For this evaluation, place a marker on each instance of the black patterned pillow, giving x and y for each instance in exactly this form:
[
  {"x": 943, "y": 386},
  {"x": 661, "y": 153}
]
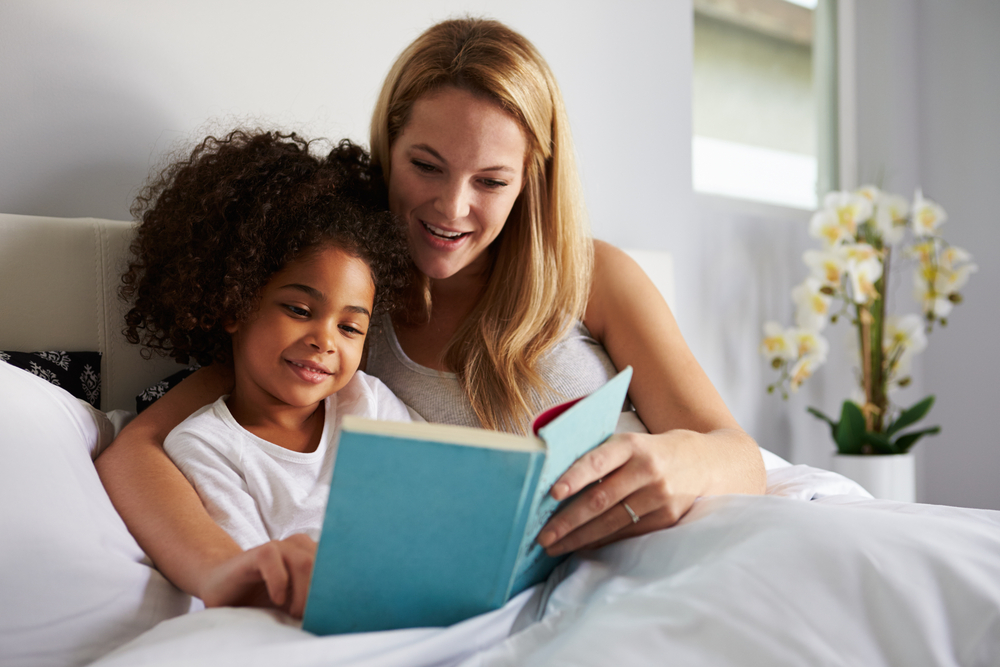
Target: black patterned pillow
[
  {"x": 79, "y": 373},
  {"x": 149, "y": 396}
]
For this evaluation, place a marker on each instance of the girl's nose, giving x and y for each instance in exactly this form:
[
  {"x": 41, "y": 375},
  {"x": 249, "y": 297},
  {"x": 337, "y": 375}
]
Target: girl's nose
[
  {"x": 453, "y": 201},
  {"x": 323, "y": 338}
]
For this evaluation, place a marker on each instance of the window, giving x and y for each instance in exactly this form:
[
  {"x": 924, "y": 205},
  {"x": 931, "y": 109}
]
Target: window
[{"x": 756, "y": 114}]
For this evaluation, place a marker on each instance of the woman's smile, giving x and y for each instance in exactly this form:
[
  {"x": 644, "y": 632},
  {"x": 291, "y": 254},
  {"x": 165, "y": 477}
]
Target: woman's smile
[{"x": 443, "y": 233}]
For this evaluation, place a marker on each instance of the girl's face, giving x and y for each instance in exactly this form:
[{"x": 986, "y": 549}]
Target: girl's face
[
  {"x": 456, "y": 170},
  {"x": 305, "y": 341}
]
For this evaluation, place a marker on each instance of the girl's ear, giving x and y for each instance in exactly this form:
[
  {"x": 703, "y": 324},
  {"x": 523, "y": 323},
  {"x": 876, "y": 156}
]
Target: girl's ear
[{"x": 230, "y": 327}]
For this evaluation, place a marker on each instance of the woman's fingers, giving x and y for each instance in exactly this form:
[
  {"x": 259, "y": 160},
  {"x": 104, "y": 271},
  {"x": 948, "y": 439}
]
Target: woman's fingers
[
  {"x": 596, "y": 464},
  {"x": 636, "y": 469},
  {"x": 617, "y": 523},
  {"x": 594, "y": 509}
]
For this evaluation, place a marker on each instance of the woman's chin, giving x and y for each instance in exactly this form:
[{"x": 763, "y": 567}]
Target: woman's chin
[{"x": 437, "y": 267}]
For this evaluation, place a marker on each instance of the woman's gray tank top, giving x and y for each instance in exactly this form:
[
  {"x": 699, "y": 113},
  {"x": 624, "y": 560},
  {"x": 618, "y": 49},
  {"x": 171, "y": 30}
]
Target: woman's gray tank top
[{"x": 576, "y": 366}]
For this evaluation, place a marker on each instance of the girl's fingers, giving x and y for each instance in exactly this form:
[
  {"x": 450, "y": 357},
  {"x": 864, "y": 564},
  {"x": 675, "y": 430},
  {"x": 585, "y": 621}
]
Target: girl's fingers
[
  {"x": 299, "y": 560},
  {"x": 271, "y": 566}
]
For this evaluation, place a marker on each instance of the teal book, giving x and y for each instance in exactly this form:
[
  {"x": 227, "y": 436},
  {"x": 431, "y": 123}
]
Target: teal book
[{"x": 429, "y": 524}]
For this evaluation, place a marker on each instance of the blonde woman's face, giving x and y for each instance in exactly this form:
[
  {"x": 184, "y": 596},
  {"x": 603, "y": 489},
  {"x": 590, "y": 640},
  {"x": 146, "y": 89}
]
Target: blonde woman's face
[{"x": 456, "y": 170}]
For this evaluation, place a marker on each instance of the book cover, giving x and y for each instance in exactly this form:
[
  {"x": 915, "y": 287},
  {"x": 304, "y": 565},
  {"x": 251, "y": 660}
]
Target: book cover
[{"x": 429, "y": 524}]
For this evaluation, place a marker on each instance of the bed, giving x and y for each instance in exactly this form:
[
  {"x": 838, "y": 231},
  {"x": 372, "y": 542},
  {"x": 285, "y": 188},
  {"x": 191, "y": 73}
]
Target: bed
[{"x": 816, "y": 572}]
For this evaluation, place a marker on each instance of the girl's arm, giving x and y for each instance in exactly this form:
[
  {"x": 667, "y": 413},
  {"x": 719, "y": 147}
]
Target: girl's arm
[
  {"x": 159, "y": 506},
  {"x": 694, "y": 446}
]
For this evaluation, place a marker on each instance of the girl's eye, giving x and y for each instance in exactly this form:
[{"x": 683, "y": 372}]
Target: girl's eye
[
  {"x": 351, "y": 331},
  {"x": 296, "y": 310}
]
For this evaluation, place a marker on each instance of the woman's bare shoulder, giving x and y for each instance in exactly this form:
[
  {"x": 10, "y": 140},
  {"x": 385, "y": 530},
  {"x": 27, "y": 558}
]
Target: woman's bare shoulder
[{"x": 619, "y": 288}]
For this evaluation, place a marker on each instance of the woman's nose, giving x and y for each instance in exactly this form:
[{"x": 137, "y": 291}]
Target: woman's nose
[{"x": 453, "y": 201}]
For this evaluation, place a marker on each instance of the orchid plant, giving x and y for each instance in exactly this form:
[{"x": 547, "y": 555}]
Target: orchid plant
[{"x": 861, "y": 232}]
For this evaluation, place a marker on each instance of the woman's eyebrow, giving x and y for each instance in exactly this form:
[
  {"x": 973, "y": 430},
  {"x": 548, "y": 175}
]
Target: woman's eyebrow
[{"x": 427, "y": 149}]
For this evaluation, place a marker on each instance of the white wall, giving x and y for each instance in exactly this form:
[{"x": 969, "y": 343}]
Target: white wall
[
  {"x": 959, "y": 107},
  {"x": 92, "y": 94}
]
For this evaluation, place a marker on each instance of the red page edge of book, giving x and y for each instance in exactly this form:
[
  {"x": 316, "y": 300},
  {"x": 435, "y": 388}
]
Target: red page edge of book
[{"x": 553, "y": 412}]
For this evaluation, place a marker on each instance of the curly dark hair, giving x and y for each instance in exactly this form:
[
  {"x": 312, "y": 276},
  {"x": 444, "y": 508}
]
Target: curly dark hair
[{"x": 216, "y": 225}]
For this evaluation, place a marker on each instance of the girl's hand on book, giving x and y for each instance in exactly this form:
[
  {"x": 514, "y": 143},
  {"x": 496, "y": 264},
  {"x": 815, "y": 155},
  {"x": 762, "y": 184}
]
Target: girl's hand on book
[
  {"x": 658, "y": 476},
  {"x": 275, "y": 574}
]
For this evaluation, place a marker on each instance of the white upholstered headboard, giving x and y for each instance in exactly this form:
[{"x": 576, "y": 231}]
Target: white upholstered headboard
[
  {"x": 58, "y": 283},
  {"x": 58, "y": 291}
]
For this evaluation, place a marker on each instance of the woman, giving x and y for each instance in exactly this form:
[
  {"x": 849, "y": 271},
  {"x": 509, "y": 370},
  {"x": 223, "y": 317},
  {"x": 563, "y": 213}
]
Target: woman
[{"x": 515, "y": 307}]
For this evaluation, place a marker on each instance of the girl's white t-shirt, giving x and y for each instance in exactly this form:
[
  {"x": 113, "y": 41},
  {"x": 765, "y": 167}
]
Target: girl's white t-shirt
[{"x": 259, "y": 491}]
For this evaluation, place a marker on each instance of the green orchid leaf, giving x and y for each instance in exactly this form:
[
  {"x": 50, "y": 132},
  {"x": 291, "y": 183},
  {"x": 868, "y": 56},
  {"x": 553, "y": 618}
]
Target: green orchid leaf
[
  {"x": 904, "y": 442},
  {"x": 850, "y": 432},
  {"x": 910, "y": 416},
  {"x": 819, "y": 415},
  {"x": 879, "y": 443}
]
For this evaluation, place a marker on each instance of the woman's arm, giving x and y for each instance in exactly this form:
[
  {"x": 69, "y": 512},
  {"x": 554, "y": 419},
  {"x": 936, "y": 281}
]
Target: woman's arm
[
  {"x": 159, "y": 506},
  {"x": 695, "y": 447}
]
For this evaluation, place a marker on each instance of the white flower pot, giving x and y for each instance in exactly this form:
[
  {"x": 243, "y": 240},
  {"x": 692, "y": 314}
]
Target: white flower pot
[{"x": 889, "y": 477}]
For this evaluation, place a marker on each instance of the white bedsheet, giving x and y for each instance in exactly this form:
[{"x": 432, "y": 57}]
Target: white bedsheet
[{"x": 841, "y": 579}]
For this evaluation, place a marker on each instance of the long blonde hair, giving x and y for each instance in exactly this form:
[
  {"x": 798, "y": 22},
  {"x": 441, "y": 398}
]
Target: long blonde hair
[{"x": 543, "y": 259}]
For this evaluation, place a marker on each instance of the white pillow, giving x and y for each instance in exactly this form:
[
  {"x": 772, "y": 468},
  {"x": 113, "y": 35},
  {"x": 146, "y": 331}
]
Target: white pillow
[{"x": 74, "y": 583}]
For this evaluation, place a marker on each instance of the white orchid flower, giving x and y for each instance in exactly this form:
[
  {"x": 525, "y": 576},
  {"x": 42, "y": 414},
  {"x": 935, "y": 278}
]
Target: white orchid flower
[
  {"x": 949, "y": 281},
  {"x": 904, "y": 333},
  {"x": 953, "y": 256},
  {"x": 810, "y": 343},
  {"x": 933, "y": 302},
  {"x": 851, "y": 209},
  {"x": 903, "y": 338},
  {"x": 925, "y": 252},
  {"x": 869, "y": 192},
  {"x": 812, "y": 307},
  {"x": 891, "y": 212},
  {"x": 927, "y": 216},
  {"x": 801, "y": 371},
  {"x": 825, "y": 225},
  {"x": 827, "y": 266},
  {"x": 864, "y": 268},
  {"x": 941, "y": 272},
  {"x": 777, "y": 343}
]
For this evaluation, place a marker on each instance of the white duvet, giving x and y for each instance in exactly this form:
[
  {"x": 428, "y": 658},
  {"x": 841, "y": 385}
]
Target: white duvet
[
  {"x": 773, "y": 580},
  {"x": 814, "y": 573}
]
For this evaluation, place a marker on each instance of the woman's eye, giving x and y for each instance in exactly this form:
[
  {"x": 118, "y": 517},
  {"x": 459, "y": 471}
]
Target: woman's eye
[
  {"x": 423, "y": 166},
  {"x": 493, "y": 183}
]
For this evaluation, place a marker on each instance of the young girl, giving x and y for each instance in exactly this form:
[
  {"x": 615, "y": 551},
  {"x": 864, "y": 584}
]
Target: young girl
[{"x": 255, "y": 253}]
